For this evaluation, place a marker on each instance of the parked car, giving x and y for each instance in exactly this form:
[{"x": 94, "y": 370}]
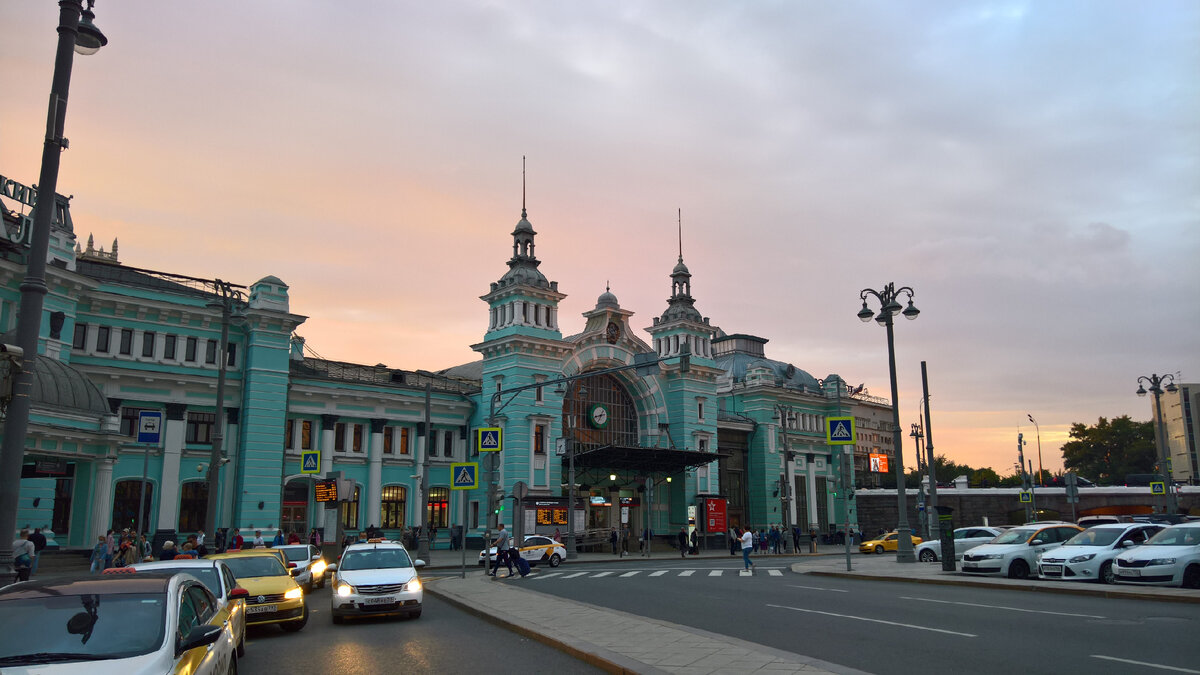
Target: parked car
[
  {"x": 1169, "y": 558},
  {"x": 126, "y": 622},
  {"x": 965, "y": 539},
  {"x": 219, "y": 580},
  {"x": 1088, "y": 556},
  {"x": 535, "y": 549},
  {"x": 886, "y": 542},
  {"x": 274, "y": 596},
  {"x": 376, "y": 578},
  {"x": 1014, "y": 553}
]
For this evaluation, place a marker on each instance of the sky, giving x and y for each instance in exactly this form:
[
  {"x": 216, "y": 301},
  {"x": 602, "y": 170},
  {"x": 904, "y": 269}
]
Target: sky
[{"x": 1030, "y": 169}]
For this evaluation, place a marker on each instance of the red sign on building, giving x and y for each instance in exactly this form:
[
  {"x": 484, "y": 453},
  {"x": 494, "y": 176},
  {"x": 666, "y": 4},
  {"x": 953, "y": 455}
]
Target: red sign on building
[{"x": 714, "y": 515}]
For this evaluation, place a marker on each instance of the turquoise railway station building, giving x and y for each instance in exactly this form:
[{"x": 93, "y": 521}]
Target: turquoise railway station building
[{"x": 666, "y": 424}]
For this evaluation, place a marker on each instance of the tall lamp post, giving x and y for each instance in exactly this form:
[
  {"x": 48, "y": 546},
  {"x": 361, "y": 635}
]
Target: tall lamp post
[
  {"x": 1164, "y": 459},
  {"x": 917, "y": 435},
  {"x": 1038, "y": 430},
  {"x": 74, "y": 35},
  {"x": 889, "y": 307},
  {"x": 787, "y": 419},
  {"x": 227, "y": 301}
]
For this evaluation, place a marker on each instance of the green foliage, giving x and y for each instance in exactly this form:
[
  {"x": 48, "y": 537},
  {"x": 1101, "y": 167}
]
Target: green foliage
[{"x": 1106, "y": 452}]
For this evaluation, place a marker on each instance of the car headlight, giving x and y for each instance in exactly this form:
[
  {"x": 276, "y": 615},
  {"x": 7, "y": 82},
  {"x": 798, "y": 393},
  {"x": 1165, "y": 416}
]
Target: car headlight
[
  {"x": 1082, "y": 558},
  {"x": 318, "y": 568},
  {"x": 1161, "y": 561},
  {"x": 414, "y": 585},
  {"x": 293, "y": 594},
  {"x": 344, "y": 590},
  {"x": 990, "y": 556}
]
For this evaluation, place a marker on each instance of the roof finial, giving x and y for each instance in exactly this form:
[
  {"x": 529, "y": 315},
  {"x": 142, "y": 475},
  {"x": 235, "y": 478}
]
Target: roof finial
[
  {"x": 680, "y": 235},
  {"x": 607, "y": 287},
  {"x": 523, "y": 213}
]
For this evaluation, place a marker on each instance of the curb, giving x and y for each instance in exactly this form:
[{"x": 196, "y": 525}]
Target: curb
[{"x": 1123, "y": 595}]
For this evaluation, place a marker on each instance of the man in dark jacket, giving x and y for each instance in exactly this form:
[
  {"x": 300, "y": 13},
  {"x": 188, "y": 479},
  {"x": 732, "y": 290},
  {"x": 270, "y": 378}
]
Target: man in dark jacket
[
  {"x": 39, "y": 542},
  {"x": 683, "y": 542}
]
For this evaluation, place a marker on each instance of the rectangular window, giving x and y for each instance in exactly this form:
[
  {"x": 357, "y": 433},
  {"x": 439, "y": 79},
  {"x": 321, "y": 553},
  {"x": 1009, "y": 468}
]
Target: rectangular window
[
  {"x": 474, "y": 515},
  {"x": 431, "y": 447},
  {"x": 703, "y": 445},
  {"x": 169, "y": 347},
  {"x": 539, "y": 439},
  {"x": 350, "y": 512},
  {"x": 357, "y": 438},
  {"x": 339, "y": 437},
  {"x": 447, "y": 444},
  {"x": 102, "y": 339},
  {"x": 700, "y": 409},
  {"x": 80, "y": 341},
  {"x": 200, "y": 427},
  {"x": 129, "y": 421},
  {"x": 210, "y": 352},
  {"x": 231, "y": 360},
  {"x": 537, "y": 395},
  {"x": 126, "y": 345},
  {"x": 404, "y": 440},
  {"x": 189, "y": 353},
  {"x": 387, "y": 440},
  {"x": 306, "y": 435},
  {"x": 289, "y": 428},
  {"x": 148, "y": 344}
]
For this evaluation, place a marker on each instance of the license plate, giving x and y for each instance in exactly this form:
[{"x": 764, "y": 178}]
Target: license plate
[
  {"x": 261, "y": 609},
  {"x": 1128, "y": 573},
  {"x": 383, "y": 600},
  {"x": 1055, "y": 569}
]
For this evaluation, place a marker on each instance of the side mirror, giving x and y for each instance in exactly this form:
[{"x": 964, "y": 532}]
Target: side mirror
[
  {"x": 418, "y": 563},
  {"x": 239, "y": 592},
  {"x": 198, "y": 637},
  {"x": 316, "y": 557},
  {"x": 1128, "y": 543},
  {"x": 331, "y": 568},
  {"x": 1036, "y": 542}
]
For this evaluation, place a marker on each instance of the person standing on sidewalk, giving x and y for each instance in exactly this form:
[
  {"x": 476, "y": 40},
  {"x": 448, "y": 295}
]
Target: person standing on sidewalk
[
  {"x": 612, "y": 539},
  {"x": 683, "y": 542},
  {"x": 39, "y": 544},
  {"x": 747, "y": 547},
  {"x": 501, "y": 544}
]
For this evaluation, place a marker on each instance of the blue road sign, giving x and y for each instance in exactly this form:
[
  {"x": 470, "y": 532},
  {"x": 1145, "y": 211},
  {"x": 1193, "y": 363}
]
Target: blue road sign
[
  {"x": 149, "y": 426},
  {"x": 310, "y": 461},
  {"x": 1158, "y": 488},
  {"x": 839, "y": 430},
  {"x": 491, "y": 439},
  {"x": 464, "y": 476}
]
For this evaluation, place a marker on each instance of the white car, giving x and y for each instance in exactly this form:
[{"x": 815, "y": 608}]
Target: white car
[
  {"x": 1014, "y": 553},
  {"x": 376, "y": 578},
  {"x": 535, "y": 549},
  {"x": 1088, "y": 556},
  {"x": 310, "y": 566},
  {"x": 965, "y": 539},
  {"x": 1169, "y": 558},
  {"x": 216, "y": 577},
  {"x": 126, "y": 623}
]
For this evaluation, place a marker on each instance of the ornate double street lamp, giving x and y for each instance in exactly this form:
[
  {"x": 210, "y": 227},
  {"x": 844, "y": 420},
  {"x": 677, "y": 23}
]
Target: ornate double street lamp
[
  {"x": 1160, "y": 437},
  {"x": 74, "y": 35},
  {"x": 229, "y": 302},
  {"x": 889, "y": 307},
  {"x": 787, "y": 419}
]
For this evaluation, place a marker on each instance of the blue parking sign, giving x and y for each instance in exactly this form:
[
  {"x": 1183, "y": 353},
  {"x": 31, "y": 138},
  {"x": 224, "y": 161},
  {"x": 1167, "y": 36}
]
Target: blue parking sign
[{"x": 149, "y": 426}]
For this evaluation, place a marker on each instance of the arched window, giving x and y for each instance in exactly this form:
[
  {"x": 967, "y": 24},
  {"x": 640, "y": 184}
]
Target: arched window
[
  {"x": 193, "y": 505},
  {"x": 439, "y": 507},
  {"x": 350, "y": 512},
  {"x": 391, "y": 506},
  {"x": 127, "y": 495}
]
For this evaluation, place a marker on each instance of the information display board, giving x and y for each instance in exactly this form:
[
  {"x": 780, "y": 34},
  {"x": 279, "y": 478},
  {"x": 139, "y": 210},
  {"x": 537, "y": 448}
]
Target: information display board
[{"x": 325, "y": 490}]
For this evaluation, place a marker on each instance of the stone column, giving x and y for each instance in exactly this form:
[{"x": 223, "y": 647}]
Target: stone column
[
  {"x": 168, "y": 493},
  {"x": 374, "y": 495},
  {"x": 330, "y": 516},
  {"x": 810, "y": 481},
  {"x": 102, "y": 498}
]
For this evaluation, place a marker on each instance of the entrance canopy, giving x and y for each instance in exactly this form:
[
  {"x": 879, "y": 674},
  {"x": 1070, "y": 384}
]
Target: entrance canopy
[{"x": 642, "y": 459}]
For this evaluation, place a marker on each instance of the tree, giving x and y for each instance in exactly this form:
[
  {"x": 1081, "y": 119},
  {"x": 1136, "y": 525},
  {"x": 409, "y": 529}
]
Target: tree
[{"x": 1107, "y": 452}]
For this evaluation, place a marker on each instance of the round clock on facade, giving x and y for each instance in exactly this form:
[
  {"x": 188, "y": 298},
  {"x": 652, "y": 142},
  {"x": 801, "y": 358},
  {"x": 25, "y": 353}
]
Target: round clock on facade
[
  {"x": 612, "y": 333},
  {"x": 598, "y": 416}
]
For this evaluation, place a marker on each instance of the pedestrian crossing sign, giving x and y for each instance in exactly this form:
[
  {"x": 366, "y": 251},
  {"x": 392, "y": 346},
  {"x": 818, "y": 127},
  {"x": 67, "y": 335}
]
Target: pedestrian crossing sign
[
  {"x": 839, "y": 430},
  {"x": 1026, "y": 496},
  {"x": 464, "y": 475},
  {"x": 491, "y": 439},
  {"x": 1158, "y": 487},
  {"x": 310, "y": 461}
]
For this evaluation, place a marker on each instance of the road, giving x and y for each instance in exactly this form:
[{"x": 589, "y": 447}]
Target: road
[
  {"x": 443, "y": 640},
  {"x": 889, "y": 627}
]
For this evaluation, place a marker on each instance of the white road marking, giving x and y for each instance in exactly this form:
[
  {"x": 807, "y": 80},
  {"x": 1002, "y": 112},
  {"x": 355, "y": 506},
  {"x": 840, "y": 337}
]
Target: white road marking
[
  {"x": 577, "y": 574},
  {"x": 547, "y": 576},
  {"x": 658, "y": 573},
  {"x": 714, "y": 573},
  {"x": 863, "y": 618},
  {"x": 775, "y": 573},
  {"x": 687, "y": 573},
  {"x": 818, "y": 588},
  {"x": 597, "y": 575},
  {"x": 1144, "y": 663},
  {"x": 1011, "y": 609},
  {"x": 630, "y": 574}
]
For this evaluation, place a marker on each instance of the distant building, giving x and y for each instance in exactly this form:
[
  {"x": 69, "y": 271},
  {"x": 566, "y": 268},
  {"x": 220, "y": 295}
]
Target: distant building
[{"x": 1180, "y": 420}]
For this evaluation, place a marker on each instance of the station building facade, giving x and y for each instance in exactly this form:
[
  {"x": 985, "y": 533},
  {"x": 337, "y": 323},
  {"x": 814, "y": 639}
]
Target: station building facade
[{"x": 655, "y": 422}]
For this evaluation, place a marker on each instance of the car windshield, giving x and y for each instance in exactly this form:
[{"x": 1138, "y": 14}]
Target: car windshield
[
  {"x": 65, "y": 628},
  {"x": 294, "y": 554},
  {"x": 206, "y": 575},
  {"x": 246, "y": 566},
  {"x": 374, "y": 559},
  {"x": 1016, "y": 536},
  {"x": 1095, "y": 537},
  {"x": 1176, "y": 536}
]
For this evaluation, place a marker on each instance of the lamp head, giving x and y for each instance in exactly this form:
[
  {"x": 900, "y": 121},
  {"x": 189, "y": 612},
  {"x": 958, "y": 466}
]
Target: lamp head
[
  {"x": 865, "y": 313},
  {"x": 911, "y": 311},
  {"x": 1171, "y": 388},
  {"x": 1141, "y": 391},
  {"x": 88, "y": 38}
]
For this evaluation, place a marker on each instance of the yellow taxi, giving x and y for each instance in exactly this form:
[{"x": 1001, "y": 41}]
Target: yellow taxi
[
  {"x": 273, "y": 596},
  {"x": 885, "y": 542}
]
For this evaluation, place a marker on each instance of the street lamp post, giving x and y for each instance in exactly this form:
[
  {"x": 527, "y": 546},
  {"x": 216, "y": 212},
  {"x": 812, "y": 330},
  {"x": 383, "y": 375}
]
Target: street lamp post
[
  {"x": 1038, "y": 430},
  {"x": 74, "y": 35},
  {"x": 787, "y": 418},
  {"x": 1164, "y": 460},
  {"x": 889, "y": 307},
  {"x": 917, "y": 435},
  {"x": 226, "y": 299}
]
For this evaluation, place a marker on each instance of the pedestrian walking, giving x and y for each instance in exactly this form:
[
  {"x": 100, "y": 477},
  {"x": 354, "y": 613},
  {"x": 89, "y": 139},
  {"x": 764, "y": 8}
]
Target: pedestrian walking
[
  {"x": 238, "y": 540},
  {"x": 278, "y": 540},
  {"x": 747, "y": 546},
  {"x": 97, "y": 559},
  {"x": 695, "y": 549},
  {"x": 501, "y": 543},
  {"x": 39, "y": 544},
  {"x": 258, "y": 540},
  {"x": 110, "y": 546},
  {"x": 624, "y": 541},
  {"x": 23, "y": 553},
  {"x": 683, "y": 542},
  {"x": 612, "y": 539},
  {"x": 314, "y": 537}
]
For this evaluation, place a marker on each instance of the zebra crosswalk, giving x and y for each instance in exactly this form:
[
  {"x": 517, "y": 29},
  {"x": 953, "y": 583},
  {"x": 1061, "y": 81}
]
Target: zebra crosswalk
[{"x": 656, "y": 573}]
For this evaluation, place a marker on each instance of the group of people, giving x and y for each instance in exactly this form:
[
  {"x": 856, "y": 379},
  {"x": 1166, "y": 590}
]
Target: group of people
[
  {"x": 118, "y": 549},
  {"x": 771, "y": 539}
]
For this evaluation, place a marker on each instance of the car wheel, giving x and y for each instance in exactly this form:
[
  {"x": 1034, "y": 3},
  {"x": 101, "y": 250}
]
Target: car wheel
[
  {"x": 879, "y": 548},
  {"x": 1191, "y": 577},
  {"x": 415, "y": 615},
  {"x": 1106, "y": 575},
  {"x": 555, "y": 561},
  {"x": 927, "y": 555},
  {"x": 308, "y": 588},
  {"x": 337, "y": 619},
  {"x": 1019, "y": 569},
  {"x": 293, "y": 626},
  {"x": 232, "y": 670},
  {"x": 241, "y": 647}
]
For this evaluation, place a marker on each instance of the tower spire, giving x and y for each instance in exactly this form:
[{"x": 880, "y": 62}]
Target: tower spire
[
  {"x": 523, "y": 213},
  {"x": 680, "y": 216}
]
